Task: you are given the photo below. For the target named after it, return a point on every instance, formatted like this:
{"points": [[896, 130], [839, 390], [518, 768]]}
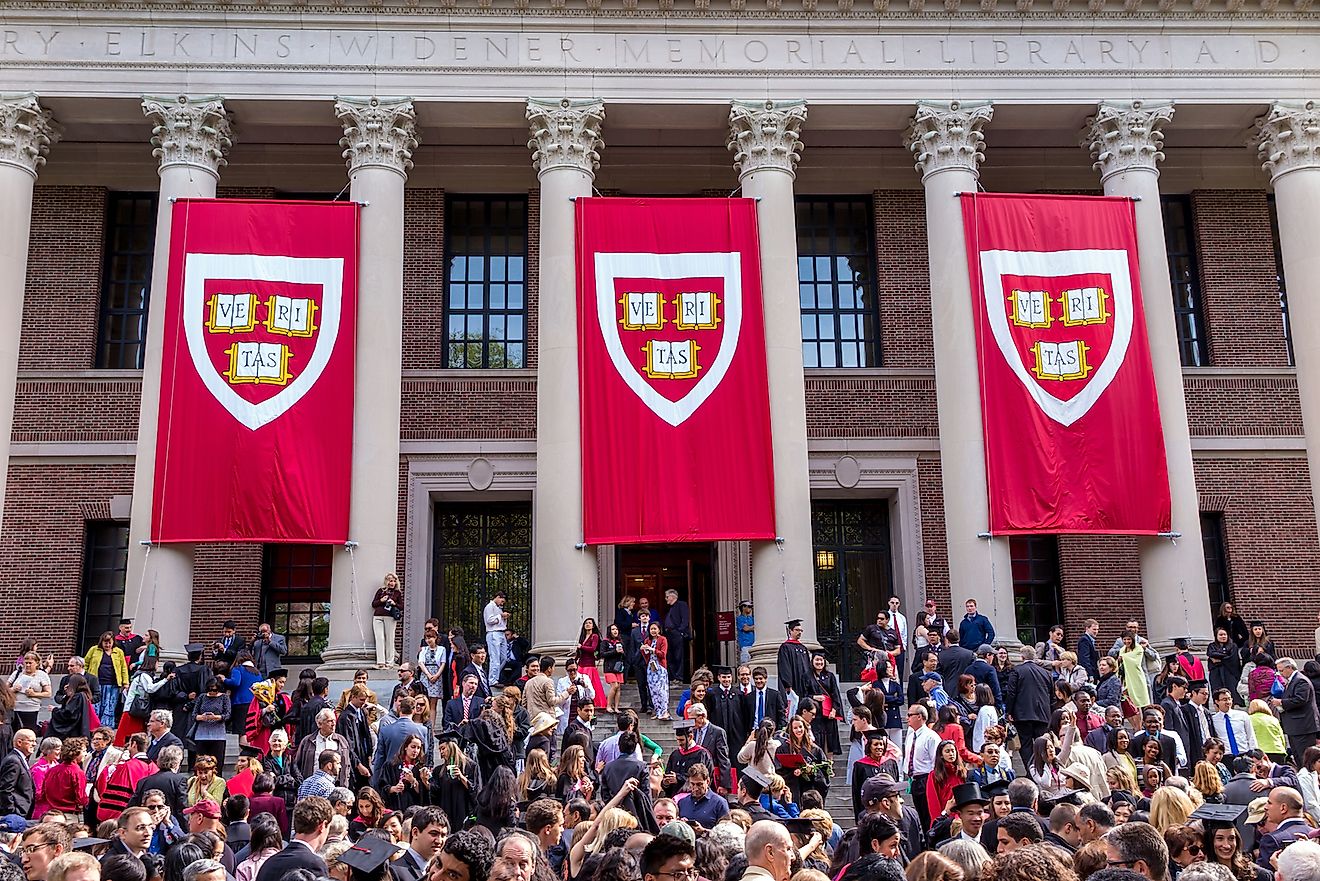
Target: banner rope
{"points": [[783, 576], [142, 582], [354, 610]]}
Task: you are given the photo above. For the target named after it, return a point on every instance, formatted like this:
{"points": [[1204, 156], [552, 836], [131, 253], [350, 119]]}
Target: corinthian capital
{"points": [[378, 132], [1288, 137], [946, 135], [1127, 136], [195, 132], [766, 134], [26, 132], [565, 133]]}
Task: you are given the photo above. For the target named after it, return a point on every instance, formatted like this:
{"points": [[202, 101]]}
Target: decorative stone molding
{"points": [[946, 135], [26, 132], [1127, 136], [193, 132], [1288, 137], [378, 132], [565, 133], [766, 134]]}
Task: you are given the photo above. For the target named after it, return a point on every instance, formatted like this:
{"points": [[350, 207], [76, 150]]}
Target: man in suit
{"points": [[624, 768], [158, 726], [311, 824], [429, 827], [323, 738], [713, 739], [168, 780], [727, 708], [230, 643], [467, 705], [17, 793], [77, 666], [636, 660], [1284, 810], [1297, 709], [981, 670], [1200, 725], [678, 630], [1152, 720], [1088, 651], [355, 729], [478, 669], [1027, 694], [268, 650], [954, 660], [581, 722], [763, 702], [391, 736]]}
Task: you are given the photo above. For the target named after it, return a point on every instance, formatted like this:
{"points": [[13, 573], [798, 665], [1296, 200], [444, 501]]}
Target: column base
{"points": [[348, 656], [560, 651], [766, 654]]}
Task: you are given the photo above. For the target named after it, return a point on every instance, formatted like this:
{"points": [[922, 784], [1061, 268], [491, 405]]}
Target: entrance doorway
{"points": [[854, 574], [650, 570]]}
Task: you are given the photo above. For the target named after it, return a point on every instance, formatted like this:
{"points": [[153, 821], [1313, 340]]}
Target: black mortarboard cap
{"points": [[821, 652], [876, 734], [796, 825], [1219, 815], [125, 620], [756, 777], [446, 736], [369, 853], [793, 622], [89, 842], [193, 648], [683, 725], [280, 672], [722, 671], [998, 787]]}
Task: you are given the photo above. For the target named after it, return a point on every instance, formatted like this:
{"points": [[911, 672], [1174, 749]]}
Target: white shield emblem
{"points": [[1110, 333], [724, 265], [312, 349]]}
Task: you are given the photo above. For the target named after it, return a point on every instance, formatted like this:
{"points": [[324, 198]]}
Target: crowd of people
{"points": [[958, 762]]}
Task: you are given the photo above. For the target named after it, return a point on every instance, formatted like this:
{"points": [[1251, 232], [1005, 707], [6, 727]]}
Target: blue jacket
{"points": [[1088, 656], [241, 680], [975, 631], [984, 674]]}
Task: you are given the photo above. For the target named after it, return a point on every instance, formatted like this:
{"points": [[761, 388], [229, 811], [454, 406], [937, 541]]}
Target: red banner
{"points": [[675, 406], [1073, 442], [256, 408]]}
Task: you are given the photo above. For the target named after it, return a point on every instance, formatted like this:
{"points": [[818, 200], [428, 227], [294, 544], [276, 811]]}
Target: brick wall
{"points": [[423, 279], [903, 282], [1239, 282], [1101, 578], [62, 300], [870, 406], [226, 584], [933, 538]]}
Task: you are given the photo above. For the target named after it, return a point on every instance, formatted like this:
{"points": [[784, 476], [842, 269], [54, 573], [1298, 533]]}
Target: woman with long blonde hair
{"points": [[1205, 779], [537, 778], [1169, 807], [386, 611]]}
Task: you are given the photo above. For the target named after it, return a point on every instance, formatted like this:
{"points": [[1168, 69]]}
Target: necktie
{"points": [[1228, 729], [760, 706], [701, 736], [912, 754], [467, 706]]}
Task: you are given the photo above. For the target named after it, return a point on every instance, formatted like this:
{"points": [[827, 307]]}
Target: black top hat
{"points": [[968, 794]]}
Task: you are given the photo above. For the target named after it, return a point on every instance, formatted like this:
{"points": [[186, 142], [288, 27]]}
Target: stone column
{"points": [[191, 137], [380, 135], [1288, 141], [565, 144], [765, 139], [26, 133], [1124, 138], [946, 139]]}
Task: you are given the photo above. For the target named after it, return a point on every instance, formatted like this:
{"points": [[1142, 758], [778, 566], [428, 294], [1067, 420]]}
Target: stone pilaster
{"points": [[1126, 140], [765, 139], [565, 142], [947, 141], [1287, 141], [190, 137], [380, 135], [27, 131]]}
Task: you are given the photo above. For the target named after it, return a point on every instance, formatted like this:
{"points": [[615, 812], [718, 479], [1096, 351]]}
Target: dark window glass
{"points": [[1037, 592], [1278, 274], [854, 573], [480, 550], [105, 563], [295, 598], [1216, 560], [486, 281], [130, 237], [1180, 246], [836, 282]]}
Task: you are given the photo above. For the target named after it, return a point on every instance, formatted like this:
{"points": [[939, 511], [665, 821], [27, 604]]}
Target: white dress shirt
{"points": [[1244, 736], [919, 751], [898, 623], [493, 617]]}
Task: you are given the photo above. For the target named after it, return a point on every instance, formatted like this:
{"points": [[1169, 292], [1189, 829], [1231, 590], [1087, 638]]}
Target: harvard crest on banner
{"points": [[675, 406], [256, 412], [1072, 426]]}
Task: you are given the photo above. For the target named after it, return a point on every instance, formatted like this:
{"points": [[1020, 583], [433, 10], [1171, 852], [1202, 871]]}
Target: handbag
{"points": [[394, 611], [140, 707]]}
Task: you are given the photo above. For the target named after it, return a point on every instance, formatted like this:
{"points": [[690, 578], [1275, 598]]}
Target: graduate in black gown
{"points": [[794, 665], [683, 758], [451, 781], [725, 707], [829, 704], [877, 758]]}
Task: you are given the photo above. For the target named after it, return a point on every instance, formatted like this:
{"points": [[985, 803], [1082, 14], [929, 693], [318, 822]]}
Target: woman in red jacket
{"points": [[949, 772], [949, 726], [66, 785]]}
